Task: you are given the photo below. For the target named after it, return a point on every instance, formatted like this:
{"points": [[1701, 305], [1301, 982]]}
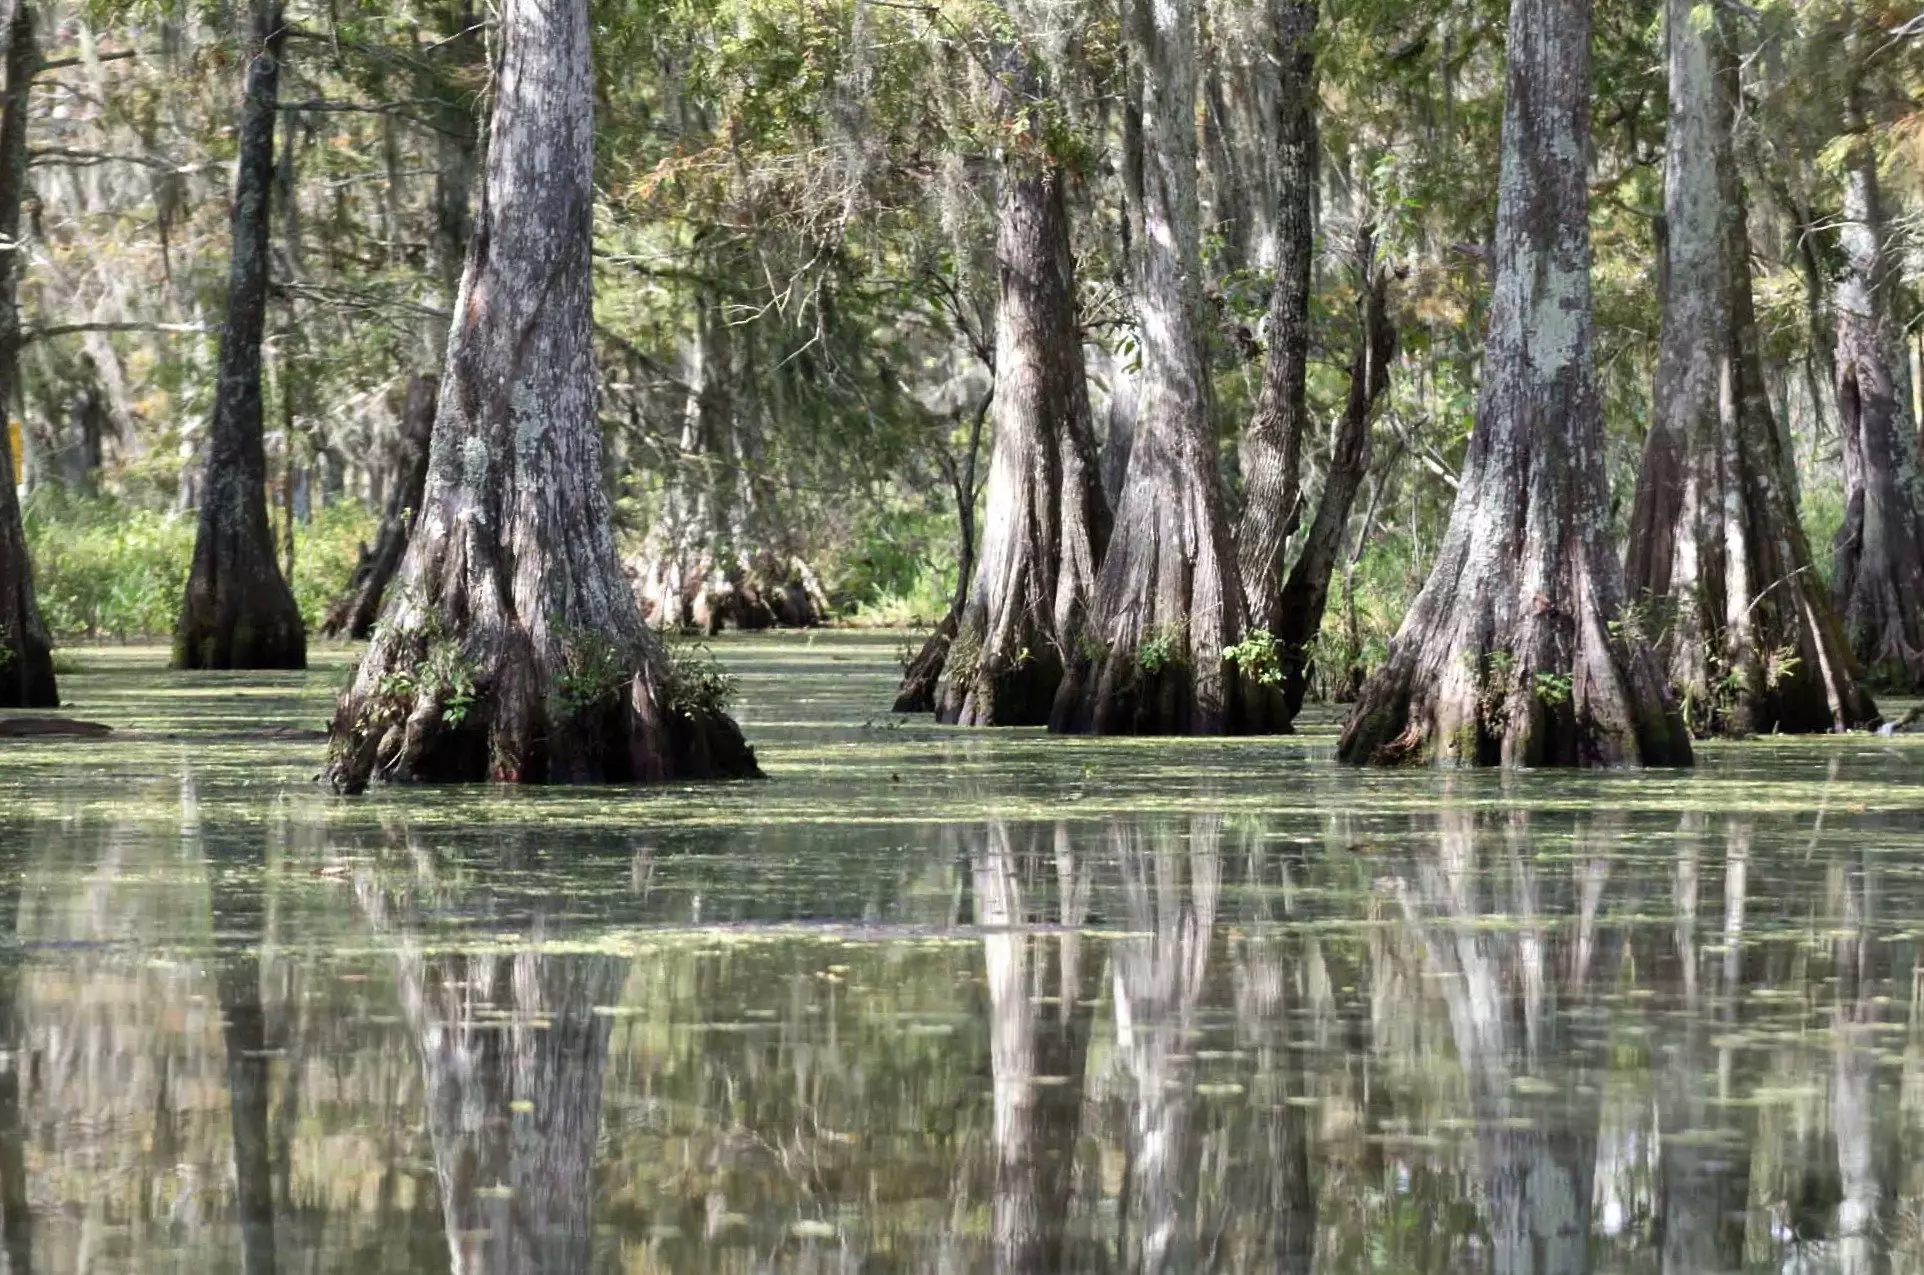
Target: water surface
{"points": [[927, 1000]]}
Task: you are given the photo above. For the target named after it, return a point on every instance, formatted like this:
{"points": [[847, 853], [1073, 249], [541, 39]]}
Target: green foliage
{"points": [[593, 671], [1554, 689], [440, 673], [1258, 656], [105, 568], [1160, 650], [698, 684]]}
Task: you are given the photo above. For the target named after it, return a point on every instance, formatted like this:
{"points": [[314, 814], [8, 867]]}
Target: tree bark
{"points": [[512, 647], [1508, 655], [1305, 595], [1047, 521], [238, 611], [1272, 445], [26, 649], [1878, 576], [1716, 548], [354, 614], [1149, 659]]}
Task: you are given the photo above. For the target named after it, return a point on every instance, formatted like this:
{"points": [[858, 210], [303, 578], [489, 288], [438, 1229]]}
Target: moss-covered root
{"points": [[921, 674], [421, 713]]}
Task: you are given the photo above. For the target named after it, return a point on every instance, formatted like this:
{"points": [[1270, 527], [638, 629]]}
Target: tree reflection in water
{"points": [[512, 1052]]}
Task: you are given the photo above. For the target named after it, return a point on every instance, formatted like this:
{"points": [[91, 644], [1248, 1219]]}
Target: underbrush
{"points": [[104, 569]]}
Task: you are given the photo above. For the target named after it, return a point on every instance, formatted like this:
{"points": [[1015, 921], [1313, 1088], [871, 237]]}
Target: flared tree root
{"points": [[427, 709]]}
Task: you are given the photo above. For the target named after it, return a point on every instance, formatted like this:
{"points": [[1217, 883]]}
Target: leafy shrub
{"points": [[105, 569]]}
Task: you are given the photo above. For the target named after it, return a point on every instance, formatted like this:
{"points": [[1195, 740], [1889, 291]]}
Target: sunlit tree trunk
{"points": [[26, 650], [1509, 654], [1305, 594], [1878, 574], [1047, 521], [1149, 660], [1272, 444], [238, 611], [512, 647], [1716, 548]]}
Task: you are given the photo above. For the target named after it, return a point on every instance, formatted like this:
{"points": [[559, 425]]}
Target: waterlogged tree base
{"points": [[1140, 692], [921, 674], [1471, 706], [421, 711], [1011, 683]]}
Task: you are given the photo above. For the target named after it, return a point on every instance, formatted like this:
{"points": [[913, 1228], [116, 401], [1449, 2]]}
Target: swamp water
{"points": [[938, 1001]]}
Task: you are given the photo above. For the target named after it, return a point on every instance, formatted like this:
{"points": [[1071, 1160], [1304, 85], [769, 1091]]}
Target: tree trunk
{"points": [[1272, 445], [1513, 652], [1716, 547], [1047, 520], [513, 647], [921, 674], [1878, 575], [1305, 596], [238, 611], [355, 612], [26, 650], [1149, 659]]}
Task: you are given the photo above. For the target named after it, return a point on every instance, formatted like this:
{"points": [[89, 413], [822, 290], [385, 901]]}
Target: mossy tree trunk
{"points": [[512, 647], [1047, 520], [354, 614], [1717, 561], [1513, 653], [238, 611], [1304, 598], [1149, 658], [26, 650], [1272, 445], [1878, 576]]}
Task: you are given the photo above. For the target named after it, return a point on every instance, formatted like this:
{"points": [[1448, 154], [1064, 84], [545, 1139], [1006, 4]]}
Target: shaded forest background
{"points": [[795, 286]]}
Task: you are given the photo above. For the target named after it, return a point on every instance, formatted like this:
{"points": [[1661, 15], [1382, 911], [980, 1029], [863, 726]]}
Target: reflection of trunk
{"points": [[1752, 645], [1272, 445], [511, 646], [1168, 601], [238, 611], [1047, 522], [354, 614], [1275, 1185], [1170, 890], [1037, 1059], [512, 1053], [1879, 571], [240, 916], [1305, 596], [26, 654], [1704, 1164], [1507, 655], [1861, 1244], [1537, 1168], [16, 1221], [514, 1108]]}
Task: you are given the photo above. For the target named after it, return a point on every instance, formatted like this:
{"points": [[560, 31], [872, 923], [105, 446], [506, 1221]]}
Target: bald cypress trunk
{"points": [[1047, 520], [354, 614], [1511, 653], [1149, 659], [1305, 594], [26, 650], [238, 611], [1717, 556], [1878, 576], [512, 646], [1272, 446]]}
